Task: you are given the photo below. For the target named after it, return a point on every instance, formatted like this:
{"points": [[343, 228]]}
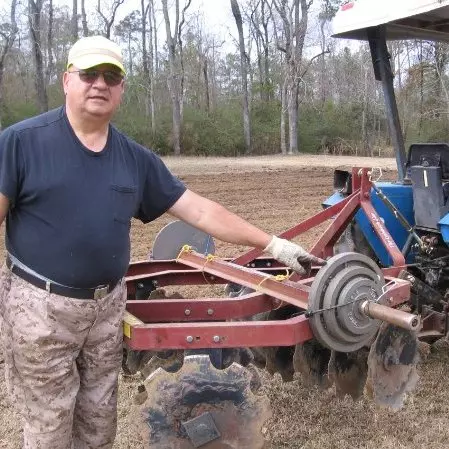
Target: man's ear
{"points": [[65, 80]]}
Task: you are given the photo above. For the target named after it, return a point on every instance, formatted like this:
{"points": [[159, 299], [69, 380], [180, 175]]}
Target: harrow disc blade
{"points": [[392, 366], [348, 371], [201, 406], [311, 360]]}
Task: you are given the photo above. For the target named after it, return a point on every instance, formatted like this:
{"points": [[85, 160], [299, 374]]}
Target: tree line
{"points": [[282, 85]]}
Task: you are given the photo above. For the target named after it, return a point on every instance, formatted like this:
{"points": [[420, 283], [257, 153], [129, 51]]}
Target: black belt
{"points": [[79, 293]]}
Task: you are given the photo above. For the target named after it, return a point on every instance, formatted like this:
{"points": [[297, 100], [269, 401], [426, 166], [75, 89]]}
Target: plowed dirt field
{"points": [[275, 193]]}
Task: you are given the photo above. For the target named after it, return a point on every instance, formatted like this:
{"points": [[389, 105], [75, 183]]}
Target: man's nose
{"points": [[99, 81]]}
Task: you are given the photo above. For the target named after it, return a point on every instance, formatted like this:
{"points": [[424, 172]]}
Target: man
{"points": [[69, 185]]}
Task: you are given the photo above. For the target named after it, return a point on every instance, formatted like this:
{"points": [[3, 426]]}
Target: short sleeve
{"points": [[161, 189], [10, 164]]}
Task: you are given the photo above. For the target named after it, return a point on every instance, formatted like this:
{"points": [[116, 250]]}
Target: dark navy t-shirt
{"points": [[71, 207]]}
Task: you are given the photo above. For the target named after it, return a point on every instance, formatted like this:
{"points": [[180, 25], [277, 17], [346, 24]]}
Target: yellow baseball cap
{"points": [[91, 51]]}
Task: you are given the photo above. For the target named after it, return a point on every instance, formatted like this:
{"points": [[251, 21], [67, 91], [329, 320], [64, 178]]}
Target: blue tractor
{"points": [[415, 208]]}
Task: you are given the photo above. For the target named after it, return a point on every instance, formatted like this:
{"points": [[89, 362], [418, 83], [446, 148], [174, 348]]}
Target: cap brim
{"points": [[89, 61]]}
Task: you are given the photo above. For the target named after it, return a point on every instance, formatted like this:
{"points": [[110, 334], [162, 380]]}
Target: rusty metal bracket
{"points": [[201, 429]]}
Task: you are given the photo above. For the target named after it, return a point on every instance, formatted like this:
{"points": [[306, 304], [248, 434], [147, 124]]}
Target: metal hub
{"points": [[337, 292]]}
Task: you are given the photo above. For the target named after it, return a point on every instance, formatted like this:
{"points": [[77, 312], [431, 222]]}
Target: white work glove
{"points": [[292, 255]]}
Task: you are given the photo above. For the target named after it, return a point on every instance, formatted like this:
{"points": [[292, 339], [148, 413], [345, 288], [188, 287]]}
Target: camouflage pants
{"points": [[62, 358]]}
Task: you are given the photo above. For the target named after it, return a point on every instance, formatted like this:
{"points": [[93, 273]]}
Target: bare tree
{"points": [[34, 18], [214, 89], [146, 72], [176, 75], [50, 63], [284, 110], [204, 50], [74, 23], [328, 10], [151, 60], [126, 29], [84, 19], [260, 18], [109, 22], [155, 28], [294, 19], [199, 62], [179, 30], [209, 60], [421, 85], [244, 76], [8, 33], [147, 60], [440, 62]]}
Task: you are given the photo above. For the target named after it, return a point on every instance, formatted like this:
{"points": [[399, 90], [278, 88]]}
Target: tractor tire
{"points": [[353, 240]]}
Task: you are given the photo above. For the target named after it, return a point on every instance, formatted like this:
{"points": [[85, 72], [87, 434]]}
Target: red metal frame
{"points": [[205, 322]]}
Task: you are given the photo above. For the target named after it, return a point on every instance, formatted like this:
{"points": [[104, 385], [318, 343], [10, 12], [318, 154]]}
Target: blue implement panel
{"points": [[402, 197], [444, 228]]}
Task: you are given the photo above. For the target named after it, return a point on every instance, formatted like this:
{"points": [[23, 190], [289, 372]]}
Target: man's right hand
{"points": [[292, 255]]}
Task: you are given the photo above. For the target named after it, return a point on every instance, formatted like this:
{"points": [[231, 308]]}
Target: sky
{"points": [[218, 19], [217, 14]]}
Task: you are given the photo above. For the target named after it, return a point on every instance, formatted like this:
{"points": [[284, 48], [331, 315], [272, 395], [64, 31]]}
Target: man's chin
{"points": [[100, 112]]}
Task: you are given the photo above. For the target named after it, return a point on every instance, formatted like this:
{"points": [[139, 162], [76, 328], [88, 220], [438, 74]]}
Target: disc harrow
{"points": [[339, 326]]}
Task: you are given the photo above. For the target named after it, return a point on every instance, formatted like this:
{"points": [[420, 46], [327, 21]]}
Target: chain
{"points": [[310, 313], [313, 312]]}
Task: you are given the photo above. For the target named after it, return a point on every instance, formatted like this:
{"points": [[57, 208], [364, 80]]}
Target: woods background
{"points": [[277, 83]]}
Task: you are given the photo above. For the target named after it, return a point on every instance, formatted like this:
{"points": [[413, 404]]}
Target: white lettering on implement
{"points": [[386, 236]]}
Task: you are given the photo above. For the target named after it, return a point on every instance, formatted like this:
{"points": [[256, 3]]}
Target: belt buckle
{"points": [[101, 292]]}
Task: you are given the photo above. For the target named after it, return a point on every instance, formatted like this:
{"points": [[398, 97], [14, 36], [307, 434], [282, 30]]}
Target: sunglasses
{"points": [[110, 77]]}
